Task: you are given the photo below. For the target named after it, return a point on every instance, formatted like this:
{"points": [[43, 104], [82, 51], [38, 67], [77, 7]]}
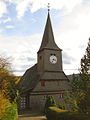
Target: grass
{"points": [[58, 109]]}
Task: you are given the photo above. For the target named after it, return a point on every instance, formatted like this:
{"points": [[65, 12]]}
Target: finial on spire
{"points": [[48, 7]]}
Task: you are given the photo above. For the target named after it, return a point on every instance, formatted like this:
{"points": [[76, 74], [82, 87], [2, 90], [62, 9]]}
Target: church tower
{"points": [[49, 54], [46, 77]]}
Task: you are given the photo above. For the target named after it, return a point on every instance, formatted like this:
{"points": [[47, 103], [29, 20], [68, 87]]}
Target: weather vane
{"points": [[48, 7]]}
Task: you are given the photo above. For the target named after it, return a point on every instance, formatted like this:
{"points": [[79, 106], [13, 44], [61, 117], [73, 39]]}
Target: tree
{"points": [[49, 102], [84, 87], [4, 71], [81, 84], [8, 90], [3, 104], [7, 80]]}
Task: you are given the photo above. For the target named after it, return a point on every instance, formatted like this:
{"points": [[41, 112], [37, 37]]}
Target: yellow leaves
{"points": [[3, 104], [17, 80], [57, 109], [8, 111]]}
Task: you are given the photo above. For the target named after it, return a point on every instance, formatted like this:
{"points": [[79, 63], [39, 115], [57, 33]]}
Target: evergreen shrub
{"points": [[61, 106], [50, 101]]}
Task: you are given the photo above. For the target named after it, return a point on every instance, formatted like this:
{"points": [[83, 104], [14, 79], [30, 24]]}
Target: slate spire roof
{"points": [[48, 37]]}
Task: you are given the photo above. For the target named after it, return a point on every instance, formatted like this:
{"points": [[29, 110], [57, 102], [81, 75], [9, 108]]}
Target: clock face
{"points": [[53, 59]]}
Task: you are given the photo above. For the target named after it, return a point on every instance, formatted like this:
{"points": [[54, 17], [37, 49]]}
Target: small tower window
{"points": [[40, 57], [42, 83]]}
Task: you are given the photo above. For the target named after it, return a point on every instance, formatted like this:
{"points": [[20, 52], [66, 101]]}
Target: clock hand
{"points": [[54, 60]]}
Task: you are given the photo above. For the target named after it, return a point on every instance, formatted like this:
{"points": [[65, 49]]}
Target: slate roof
{"points": [[48, 37], [29, 80], [54, 75]]}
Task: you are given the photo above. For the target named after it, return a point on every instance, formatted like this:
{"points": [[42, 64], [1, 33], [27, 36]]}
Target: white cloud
{"points": [[22, 7], [10, 27], [22, 49], [56, 4], [5, 20], [73, 34], [33, 5], [3, 8]]}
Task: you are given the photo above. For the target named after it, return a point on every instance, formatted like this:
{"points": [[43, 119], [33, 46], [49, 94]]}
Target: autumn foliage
{"points": [[8, 90], [3, 104]]}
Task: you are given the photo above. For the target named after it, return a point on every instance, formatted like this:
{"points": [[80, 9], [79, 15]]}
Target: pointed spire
{"points": [[48, 37]]}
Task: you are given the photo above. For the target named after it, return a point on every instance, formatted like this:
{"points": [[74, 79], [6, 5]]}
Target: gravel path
{"points": [[33, 118]]}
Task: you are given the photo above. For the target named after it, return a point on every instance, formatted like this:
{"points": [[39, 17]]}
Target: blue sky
{"points": [[22, 25]]}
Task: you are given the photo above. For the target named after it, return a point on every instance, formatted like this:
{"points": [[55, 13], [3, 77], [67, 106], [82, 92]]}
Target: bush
{"points": [[55, 113], [73, 116], [49, 102], [10, 112], [61, 106]]}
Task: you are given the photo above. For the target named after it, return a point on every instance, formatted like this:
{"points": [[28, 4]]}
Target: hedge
{"points": [[55, 113]]}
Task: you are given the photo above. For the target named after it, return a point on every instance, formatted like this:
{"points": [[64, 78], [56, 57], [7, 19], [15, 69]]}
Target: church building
{"points": [[46, 77]]}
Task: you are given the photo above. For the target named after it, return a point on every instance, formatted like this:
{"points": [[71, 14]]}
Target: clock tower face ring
{"points": [[53, 59]]}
